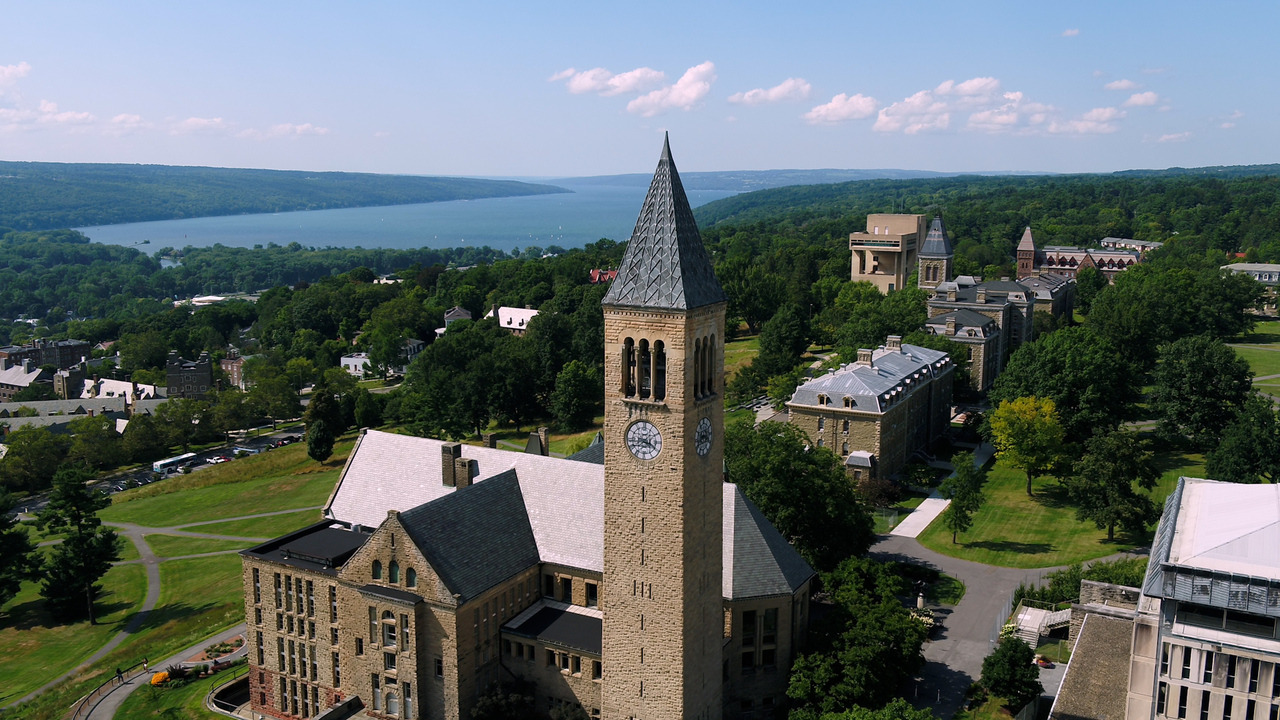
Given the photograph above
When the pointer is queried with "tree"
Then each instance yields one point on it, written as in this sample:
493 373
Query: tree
1250 447
75 565
143 351
1011 673
1200 386
35 392
783 339
323 420
19 560
1091 386
368 409
1102 486
300 372
498 704
32 459
144 439
95 442
569 712
182 420
578 392
802 490
964 490
1089 283
1028 435
898 709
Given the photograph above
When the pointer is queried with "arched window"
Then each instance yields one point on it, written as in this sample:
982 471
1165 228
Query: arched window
697 368
377 569
845 427
820 442
388 628
393 573
646 370
411 577
822 399
393 704
659 371
712 375
628 367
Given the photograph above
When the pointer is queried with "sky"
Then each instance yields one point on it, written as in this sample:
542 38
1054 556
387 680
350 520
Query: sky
568 88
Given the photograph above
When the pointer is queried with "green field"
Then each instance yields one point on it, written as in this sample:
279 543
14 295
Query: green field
1262 361
267 527
883 521
738 353
34 649
169 546
268 494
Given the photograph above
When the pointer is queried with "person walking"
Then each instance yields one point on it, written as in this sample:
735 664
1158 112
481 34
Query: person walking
145 665
119 677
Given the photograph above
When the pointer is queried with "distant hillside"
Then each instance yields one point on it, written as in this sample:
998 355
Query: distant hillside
751 180
41 196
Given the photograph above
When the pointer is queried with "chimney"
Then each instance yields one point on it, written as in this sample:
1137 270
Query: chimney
982 294
464 471
545 440
864 357
4 363
490 440
1005 278
951 326
450 452
495 311
26 365
951 294
894 342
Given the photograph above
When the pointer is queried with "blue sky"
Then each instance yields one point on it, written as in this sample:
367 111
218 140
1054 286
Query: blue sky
545 89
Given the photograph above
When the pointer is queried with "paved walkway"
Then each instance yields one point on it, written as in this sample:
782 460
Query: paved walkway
147 558
935 504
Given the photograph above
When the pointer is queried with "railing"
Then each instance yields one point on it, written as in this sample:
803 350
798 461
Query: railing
90 701
217 705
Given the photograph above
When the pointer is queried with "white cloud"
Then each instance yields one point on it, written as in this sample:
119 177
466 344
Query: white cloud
198 125
919 113
789 89
1121 85
1071 32
1227 125
602 82
49 114
1098 121
1174 137
976 91
688 91
1142 99
126 124
9 74
1098 73
1014 115
842 107
1230 120
283 130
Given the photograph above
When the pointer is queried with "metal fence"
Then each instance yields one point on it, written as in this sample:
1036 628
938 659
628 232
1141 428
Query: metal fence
90 701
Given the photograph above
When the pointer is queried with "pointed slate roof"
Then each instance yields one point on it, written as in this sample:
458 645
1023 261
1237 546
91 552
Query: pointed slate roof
936 243
665 265
1027 243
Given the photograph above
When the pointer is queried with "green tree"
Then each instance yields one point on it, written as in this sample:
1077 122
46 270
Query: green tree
1200 386
897 709
1250 448
75 565
578 393
1089 283
35 392
144 439
143 351
802 490
1011 673
19 560
1090 385
300 372
32 459
272 395
964 490
1102 486
95 442
368 409
1028 435
323 421
182 420
783 339
499 704
569 712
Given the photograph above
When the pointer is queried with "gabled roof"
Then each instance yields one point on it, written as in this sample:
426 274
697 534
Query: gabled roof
1027 243
665 265
936 243
758 561
514 318
962 317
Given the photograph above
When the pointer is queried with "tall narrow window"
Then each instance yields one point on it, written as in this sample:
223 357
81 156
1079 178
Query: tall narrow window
388 629
1182 701
411 578
1255 669
257 587
1208 667
377 692
404 631
337 675
1204 705
628 367
279 600
1186 663
393 572
373 624
377 569
659 371
711 388
407 690
333 604
646 370
696 374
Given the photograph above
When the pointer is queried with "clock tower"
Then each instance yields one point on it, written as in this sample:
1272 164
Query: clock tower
664 319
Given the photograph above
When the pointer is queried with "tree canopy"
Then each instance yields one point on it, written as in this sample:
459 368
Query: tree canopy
1028 435
1102 483
1200 386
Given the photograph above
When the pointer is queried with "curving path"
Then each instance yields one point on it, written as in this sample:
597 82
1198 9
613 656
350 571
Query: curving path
148 558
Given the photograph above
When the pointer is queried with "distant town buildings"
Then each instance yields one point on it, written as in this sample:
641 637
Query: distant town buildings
75 383
885 255
188 378
1266 273
355 364
453 315
1141 246
358 364
233 367
877 412
515 320
58 353
599 277
1067 260
16 377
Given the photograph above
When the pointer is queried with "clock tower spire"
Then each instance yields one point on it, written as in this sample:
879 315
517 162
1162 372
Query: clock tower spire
664 320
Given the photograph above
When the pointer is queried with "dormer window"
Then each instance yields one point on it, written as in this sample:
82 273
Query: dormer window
822 399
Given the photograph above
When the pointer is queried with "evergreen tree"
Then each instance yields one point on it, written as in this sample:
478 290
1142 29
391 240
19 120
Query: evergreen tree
18 557
368 409
75 565
1011 673
324 423
964 490
1102 486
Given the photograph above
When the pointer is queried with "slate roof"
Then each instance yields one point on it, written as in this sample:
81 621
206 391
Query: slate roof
322 547
936 243
1097 678
872 388
665 265
758 561
593 453
66 407
475 538
964 319
19 377
1027 243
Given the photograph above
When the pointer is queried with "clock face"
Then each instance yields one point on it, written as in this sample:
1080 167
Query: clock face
644 440
702 439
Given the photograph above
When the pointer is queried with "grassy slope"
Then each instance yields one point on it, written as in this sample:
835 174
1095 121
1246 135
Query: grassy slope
168 546
739 352
34 649
271 527
1262 360
147 703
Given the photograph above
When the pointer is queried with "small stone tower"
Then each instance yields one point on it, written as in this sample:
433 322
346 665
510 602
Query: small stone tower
1026 255
936 256
664 319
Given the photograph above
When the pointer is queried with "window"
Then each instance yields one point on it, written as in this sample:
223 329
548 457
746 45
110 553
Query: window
770 626
1204 705
389 661
1226 707
359 646
288 593
1186 663
1231 671
646 370
1182 701
311 631
261 652
257 616
566 590
279 600
769 657
280 654
405 689
749 628
551 657
1161 696
289 621
284 695
593 595
388 629
748 661
1164 660
597 670
333 636
377 569
1208 667
404 632
293 658
659 371
257 587
411 580
563 659
393 573
575 665
315 664
1249 708
440 668
337 675
549 586
377 692
1255 669
629 367
333 604
822 422
311 599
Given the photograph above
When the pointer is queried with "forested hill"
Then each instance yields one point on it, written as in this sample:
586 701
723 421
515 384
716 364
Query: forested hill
41 196
1229 209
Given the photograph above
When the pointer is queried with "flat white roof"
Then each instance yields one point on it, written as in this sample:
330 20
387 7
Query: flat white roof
1227 527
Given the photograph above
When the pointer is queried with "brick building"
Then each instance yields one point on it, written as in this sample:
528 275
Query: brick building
1010 304
629 579
58 353
876 412
188 378
1067 260
16 377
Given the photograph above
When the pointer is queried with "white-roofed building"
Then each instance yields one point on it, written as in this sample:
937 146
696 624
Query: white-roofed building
515 320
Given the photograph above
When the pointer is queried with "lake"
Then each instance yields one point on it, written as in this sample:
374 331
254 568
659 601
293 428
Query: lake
569 220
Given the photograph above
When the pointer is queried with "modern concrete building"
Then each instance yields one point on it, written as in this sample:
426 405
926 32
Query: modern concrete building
876 412
885 255
629 579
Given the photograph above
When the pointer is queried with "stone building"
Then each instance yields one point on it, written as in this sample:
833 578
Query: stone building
58 353
885 254
876 412
188 378
1010 304
16 377
980 334
630 579
936 256
1067 260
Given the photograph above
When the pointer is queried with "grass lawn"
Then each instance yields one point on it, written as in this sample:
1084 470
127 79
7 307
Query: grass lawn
34 648
1173 463
992 709
128 551
946 591
226 500
739 352
167 546
883 522
1262 361
1058 651
1013 530
1264 332
268 527
36 534
148 702
564 443
744 415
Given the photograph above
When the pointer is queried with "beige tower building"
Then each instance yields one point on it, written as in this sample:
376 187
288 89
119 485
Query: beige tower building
936 256
664 419
885 254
